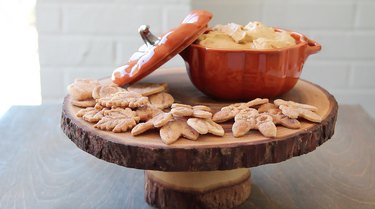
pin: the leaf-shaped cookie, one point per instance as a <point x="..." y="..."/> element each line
<point x="296" y="112"/>
<point x="198" y="111"/>
<point x="229" y="112"/>
<point x="204" y="126"/>
<point x="90" y="114"/>
<point x="278" y="117"/>
<point x="157" y="121"/>
<point x="124" y="100"/>
<point x="250" y="118"/>
<point x="175" y="129"/>
<point x="117" y="120"/>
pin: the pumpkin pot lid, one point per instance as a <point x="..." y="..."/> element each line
<point x="158" y="50"/>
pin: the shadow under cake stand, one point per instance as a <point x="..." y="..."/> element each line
<point x="211" y="172"/>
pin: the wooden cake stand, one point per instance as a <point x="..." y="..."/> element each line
<point x="211" y="172"/>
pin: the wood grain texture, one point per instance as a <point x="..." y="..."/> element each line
<point x="224" y="197"/>
<point x="41" y="168"/>
<point x="208" y="152"/>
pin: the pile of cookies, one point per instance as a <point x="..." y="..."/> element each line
<point x="139" y="108"/>
<point x="145" y="106"/>
<point x="262" y="115"/>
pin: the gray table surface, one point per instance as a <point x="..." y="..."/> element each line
<point x="41" y="168"/>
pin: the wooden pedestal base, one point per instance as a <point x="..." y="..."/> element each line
<point x="193" y="190"/>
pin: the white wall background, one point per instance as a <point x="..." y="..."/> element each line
<point x="89" y="38"/>
<point x="19" y="61"/>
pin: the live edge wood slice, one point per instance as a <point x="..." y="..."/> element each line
<point x="209" y="172"/>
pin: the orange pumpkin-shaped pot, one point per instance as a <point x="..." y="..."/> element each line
<point x="247" y="74"/>
<point x="220" y="73"/>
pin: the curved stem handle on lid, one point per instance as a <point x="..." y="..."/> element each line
<point x="149" y="38"/>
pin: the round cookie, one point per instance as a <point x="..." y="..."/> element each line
<point x="147" y="89"/>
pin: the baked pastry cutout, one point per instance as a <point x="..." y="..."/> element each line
<point x="84" y="103"/>
<point x="297" y="110"/>
<point x="81" y="92"/>
<point x="90" y="114"/>
<point x="147" y="112"/>
<point x="124" y="99"/>
<point x="81" y="89"/>
<point x="158" y="120"/>
<point x="229" y="112"/>
<point x="144" y="106"/>
<point x="198" y="111"/>
<point x="278" y="117"/>
<point x="117" y="120"/>
<point x="175" y="129"/>
<point x="250" y="118"/>
<point x="204" y="126"/>
<point x="161" y="100"/>
<point x="105" y="90"/>
<point x="147" y="89"/>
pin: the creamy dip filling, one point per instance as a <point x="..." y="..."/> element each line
<point x="254" y="35"/>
